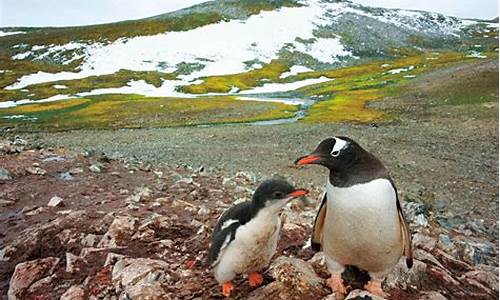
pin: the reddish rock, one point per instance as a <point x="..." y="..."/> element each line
<point x="25" y="274"/>
<point x="119" y="232"/>
<point x="291" y="272"/>
<point x="74" y="293"/>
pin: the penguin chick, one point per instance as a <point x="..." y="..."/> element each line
<point x="360" y="221"/>
<point x="246" y="235"/>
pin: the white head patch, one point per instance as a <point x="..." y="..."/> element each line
<point x="338" y="146"/>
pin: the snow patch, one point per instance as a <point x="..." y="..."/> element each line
<point x="294" y="70"/>
<point x="476" y="54"/>
<point x="397" y="71"/>
<point x="5" y="33"/>
<point x="8" y="104"/>
<point x="141" y="87"/>
<point x="284" y="87"/>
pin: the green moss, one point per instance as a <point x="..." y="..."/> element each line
<point x="134" y="111"/>
<point x="242" y="81"/>
<point x="116" y="80"/>
<point x="355" y="86"/>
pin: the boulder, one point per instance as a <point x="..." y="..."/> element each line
<point x="27" y="273"/>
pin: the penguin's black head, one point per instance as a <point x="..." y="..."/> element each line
<point x="336" y="153"/>
<point x="275" y="193"/>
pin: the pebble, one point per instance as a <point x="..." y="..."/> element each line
<point x="56" y="201"/>
<point x="36" y="171"/>
<point x="95" y="169"/>
<point x="75" y="171"/>
<point x="4" y="174"/>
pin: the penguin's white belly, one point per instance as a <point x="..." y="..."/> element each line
<point x="362" y="226"/>
<point x="252" y="248"/>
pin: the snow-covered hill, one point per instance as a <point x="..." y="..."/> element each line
<point x="306" y="35"/>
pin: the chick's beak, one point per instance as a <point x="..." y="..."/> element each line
<point x="308" y="159"/>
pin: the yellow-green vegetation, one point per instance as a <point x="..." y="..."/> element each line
<point x="353" y="87"/>
<point x="116" y="80"/>
<point x="242" y="81"/>
<point x="134" y="111"/>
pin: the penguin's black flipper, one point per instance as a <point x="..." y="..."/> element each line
<point x="225" y="230"/>
<point x="220" y="241"/>
<point x="318" y="226"/>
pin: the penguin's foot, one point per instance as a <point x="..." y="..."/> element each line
<point x="336" y="284"/>
<point x="375" y="287"/>
<point x="227" y="287"/>
<point x="255" y="279"/>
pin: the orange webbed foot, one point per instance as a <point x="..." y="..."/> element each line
<point x="337" y="284"/>
<point x="227" y="287"/>
<point x="375" y="287"/>
<point x="255" y="279"/>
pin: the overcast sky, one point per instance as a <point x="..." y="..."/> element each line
<point x="85" y="12"/>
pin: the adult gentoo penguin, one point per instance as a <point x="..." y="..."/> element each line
<point x="360" y="221"/>
<point x="246" y="235"/>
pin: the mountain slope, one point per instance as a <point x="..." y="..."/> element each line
<point x="261" y="38"/>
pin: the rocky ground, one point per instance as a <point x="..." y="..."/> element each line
<point x="86" y="226"/>
<point x="127" y="214"/>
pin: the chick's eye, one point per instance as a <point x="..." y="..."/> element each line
<point x="278" y="194"/>
<point x="335" y="153"/>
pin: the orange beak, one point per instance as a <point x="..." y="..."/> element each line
<point x="308" y="159"/>
<point x="298" y="193"/>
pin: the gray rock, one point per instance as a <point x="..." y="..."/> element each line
<point x="65" y="176"/>
<point x="75" y="171"/>
<point x="89" y="240"/>
<point x="402" y="277"/>
<point x="203" y="211"/>
<point x="416" y="214"/>
<point x="36" y="171"/>
<point x="56" y="202"/>
<point x="95" y="168"/>
<point x="476" y="253"/>
<point x="4" y="174"/>
<point x="289" y="272"/>
<point x="5" y="203"/>
<point x="27" y="273"/>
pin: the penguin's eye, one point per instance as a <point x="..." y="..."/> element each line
<point x="278" y="195"/>
<point x="335" y="153"/>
